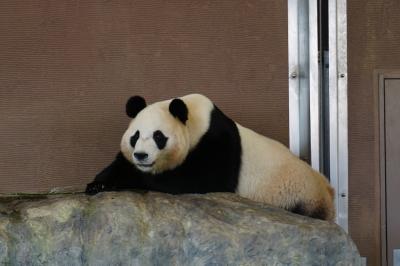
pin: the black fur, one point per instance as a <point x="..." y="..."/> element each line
<point x="178" y="109"/>
<point x="213" y="166"/>
<point x="134" y="105"/>
<point x="160" y="139"/>
<point x="135" y="138"/>
<point x="318" y="213"/>
<point x="299" y="208"/>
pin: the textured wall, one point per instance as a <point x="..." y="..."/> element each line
<point x="67" y="68"/>
<point x="373" y="43"/>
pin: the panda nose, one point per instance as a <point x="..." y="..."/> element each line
<point x="140" y="155"/>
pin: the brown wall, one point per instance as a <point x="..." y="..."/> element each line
<point x="67" y="68"/>
<point x="373" y="43"/>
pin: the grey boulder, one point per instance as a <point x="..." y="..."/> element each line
<point x="129" y="228"/>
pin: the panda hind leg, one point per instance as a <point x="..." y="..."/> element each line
<point x="319" y="212"/>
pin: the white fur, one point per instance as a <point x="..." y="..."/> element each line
<point x="271" y="173"/>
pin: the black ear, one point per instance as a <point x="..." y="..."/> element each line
<point x="134" y="105"/>
<point x="178" y="109"/>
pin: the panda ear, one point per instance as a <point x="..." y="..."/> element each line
<point x="134" y="105"/>
<point x="179" y="110"/>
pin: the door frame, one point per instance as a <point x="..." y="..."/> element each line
<point x="379" y="89"/>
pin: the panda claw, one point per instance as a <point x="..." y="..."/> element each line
<point x="94" y="188"/>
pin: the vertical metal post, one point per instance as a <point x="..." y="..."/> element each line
<point x="298" y="37"/>
<point x="294" y="85"/>
<point x="338" y="107"/>
<point x="315" y="87"/>
<point x="342" y="114"/>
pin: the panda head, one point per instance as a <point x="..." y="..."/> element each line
<point x="157" y="138"/>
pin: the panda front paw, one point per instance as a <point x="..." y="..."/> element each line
<point x="94" y="188"/>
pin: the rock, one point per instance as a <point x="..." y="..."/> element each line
<point x="128" y="228"/>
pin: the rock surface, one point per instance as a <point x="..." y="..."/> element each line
<point x="128" y="228"/>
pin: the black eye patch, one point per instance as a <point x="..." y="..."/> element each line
<point x="135" y="138"/>
<point x="160" y="139"/>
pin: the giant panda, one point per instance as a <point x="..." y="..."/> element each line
<point x="188" y="145"/>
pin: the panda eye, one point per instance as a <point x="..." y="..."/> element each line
<point x="134" y="138"/>
<point x="160" y="139"/>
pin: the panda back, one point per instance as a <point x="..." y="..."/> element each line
<point x="270" y="173"/>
